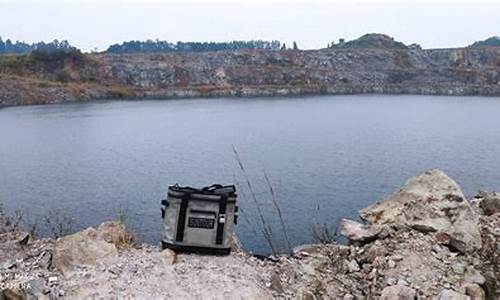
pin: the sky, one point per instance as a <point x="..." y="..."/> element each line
<point x="94" y="24"/>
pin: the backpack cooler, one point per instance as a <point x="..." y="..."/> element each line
<point x="199" y="219"/>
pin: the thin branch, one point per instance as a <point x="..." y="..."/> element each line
<point x="278" y="210"/>
<point x="266" y="230"/>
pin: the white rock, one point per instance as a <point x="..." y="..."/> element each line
<point x="168" y="256"/>
<point x="353" y="266"/>
<point x="430" y="202"/>
<point x="358" y="232"/>
<point x="397" y="292"/>
<point x="83" y="248"/>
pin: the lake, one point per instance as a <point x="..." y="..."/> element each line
<point x="326" y="156"/>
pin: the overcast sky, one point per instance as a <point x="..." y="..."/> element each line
<point x="313" y="24"/>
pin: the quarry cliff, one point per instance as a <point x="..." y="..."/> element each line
<point x="371" y="64"/>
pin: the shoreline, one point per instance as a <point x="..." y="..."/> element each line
<point x="236" y="94"/>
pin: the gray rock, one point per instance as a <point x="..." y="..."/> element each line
<point x="475" y="292"/>
<point x="474" y="276"/>
<point x="402" y="282"/>
<point x="458" y="268"/>
<point x="353" y="266"/>
<point x="23" y="238"/>
<point x="490" y="203"/>
<point x="430" y="202"/>
<point x="275" y="283"/>
<point x="8" y="265"/>
<point x="358" y="232"/>
<point x="366" y="268"/>
<point x="398" y="292"/>
<point x="452" y="295"/>
<point x="348" y="297"/>
<point x="391" y="264"/>
<point x="307" y="295"/>
<point x="36" y="288"/>
<point x="375" y="251"/>
<point x="391" y="281"/>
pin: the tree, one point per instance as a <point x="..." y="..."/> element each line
<point x="295" y="47"/>
<point x="283" y="47"/>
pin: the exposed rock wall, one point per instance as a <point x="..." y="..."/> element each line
<point x="461" y="71"/>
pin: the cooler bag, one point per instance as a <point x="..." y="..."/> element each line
<point x="199" y="219"/>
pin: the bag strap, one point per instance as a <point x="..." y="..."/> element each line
<point x="221" y="220"/>
<point x="181" y="220"/>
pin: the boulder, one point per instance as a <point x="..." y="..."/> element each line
<point x="358" y="232"/>
<point x="87" y="247"/>
<point x="398" y="292"/>
<point x="430" y="202"/>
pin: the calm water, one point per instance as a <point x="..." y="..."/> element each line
<point x="94" y="161"/>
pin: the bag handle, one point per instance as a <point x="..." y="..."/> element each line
<point x="213" y="187"/>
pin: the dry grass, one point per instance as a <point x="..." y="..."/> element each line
<point x="58" y="223"/>
<point x="266" y="229"/>
<point x="125" y="239"/>
<point x="10" y="223"/>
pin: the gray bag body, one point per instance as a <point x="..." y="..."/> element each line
<point x="199" y="219"/>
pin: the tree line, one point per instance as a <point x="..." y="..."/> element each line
<point x="17" y="47"/>
<point x="148" y="46"/>
<point x="164" y="46"/>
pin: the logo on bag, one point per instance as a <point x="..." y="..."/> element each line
<point x="201" y="223"/>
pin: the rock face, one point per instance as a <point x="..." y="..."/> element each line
<point x="430" y="202"/>
<point x="371" y="64"/>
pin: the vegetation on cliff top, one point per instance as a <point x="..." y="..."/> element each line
<point x="371" y="40"/>
<point x="58" y="65"/>
<point x="9" y="47"/>
<point x="150" y="46"/>
<point x="493" y="41"/>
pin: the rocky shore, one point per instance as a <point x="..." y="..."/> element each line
<point x="426" y="241"/>
<point x="377" y="65"/>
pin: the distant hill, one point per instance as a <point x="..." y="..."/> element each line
<point x="493" y="41"/>
<point x="371" y="40"/>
